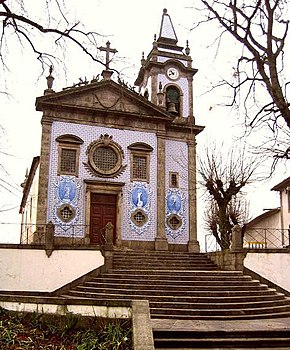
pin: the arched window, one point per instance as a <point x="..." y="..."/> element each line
<point x="173" y="100"/>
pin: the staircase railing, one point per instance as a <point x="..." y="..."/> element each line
<point x="266" y="238"/>
<point x="255" y="238"/>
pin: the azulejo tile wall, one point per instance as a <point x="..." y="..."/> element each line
<point x="139" y="199"/>
<point x="66" y="210"/>
<point x="124" y="138"/>
<point x="177" y="198"/>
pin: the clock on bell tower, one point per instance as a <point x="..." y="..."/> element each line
<point x="166" y="75"/>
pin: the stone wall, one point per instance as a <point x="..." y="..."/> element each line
<point x="228" y="260"/>
<point x="28" y="269"/>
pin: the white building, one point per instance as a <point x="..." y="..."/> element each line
<point x="271" y="229"/>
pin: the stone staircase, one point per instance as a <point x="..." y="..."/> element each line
<point x="189" y="287"/>
<point x="262" y="339"/>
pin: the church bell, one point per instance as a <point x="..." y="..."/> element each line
<point x="172" y="108"/>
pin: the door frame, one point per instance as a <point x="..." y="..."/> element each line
<point x="102" y="187"/>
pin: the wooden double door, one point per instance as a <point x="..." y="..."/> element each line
<point x="103" y="210"/>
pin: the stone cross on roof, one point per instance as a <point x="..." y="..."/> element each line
<point x="108" y="50"/>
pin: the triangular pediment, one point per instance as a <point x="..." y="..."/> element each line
<point x="106" y="96"/>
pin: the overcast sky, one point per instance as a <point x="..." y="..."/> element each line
<point x="130" y="26"/>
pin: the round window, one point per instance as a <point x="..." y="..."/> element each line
<point x="105" y="157"/>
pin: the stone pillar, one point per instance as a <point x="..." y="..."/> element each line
<point x="43" y="181"/>
<point x="237" y="239"/>
<point x="193" y="244"/>
<point x="142" y="328"/>
<point x="161" y="240"/>
<point x="49" y="238"/>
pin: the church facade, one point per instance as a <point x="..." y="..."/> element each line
<point x="111" y="154"/>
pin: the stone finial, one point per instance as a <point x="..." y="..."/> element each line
<point x="187" y="49"/>
<point x="160" y="96"/>
<point x="49" y="80"/>
<point x="155" y="46"/>
<point x="143" y="59"/>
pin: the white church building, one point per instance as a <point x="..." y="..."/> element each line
<point x="118" y="155"/>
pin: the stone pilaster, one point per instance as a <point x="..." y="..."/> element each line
<point x="161" y="242"/>
<point x="43" y="180"/>
<point x="193" y="244"/>
<point x="154" y="86"/>
<point x="190" y="97"/>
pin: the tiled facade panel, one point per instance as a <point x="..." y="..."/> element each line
<point x="124" y="138"/>
<point x="177" y="161"/>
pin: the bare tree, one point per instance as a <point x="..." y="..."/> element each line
<point x="43" y="35"/>
<point x="224" y="176"/>
<point x="236" y="214"/>
<point x="261" y="29"/>
<point x="44" y="31"/>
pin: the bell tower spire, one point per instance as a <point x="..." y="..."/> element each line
<point x="167" y="32"/>
<point x="170" y="66"/>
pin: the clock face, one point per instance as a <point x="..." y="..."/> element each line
<point x="172" y="73"/>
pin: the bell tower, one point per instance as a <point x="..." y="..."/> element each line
<point x="166" y="75"/>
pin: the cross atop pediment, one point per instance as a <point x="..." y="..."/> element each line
<point x="108" y="50"/>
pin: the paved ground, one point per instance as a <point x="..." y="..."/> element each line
<point x="240" y="325"/>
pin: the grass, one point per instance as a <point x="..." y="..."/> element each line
<point x="42" y="332"/>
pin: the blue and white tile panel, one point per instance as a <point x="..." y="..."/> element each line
<point x="177" y="161"/>
<point x="124" y="138"/>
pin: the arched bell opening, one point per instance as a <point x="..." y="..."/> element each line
<point x="173" y="100"/>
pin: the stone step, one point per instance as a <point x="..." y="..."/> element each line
<point x="162" y="265"/>
<point x="219" y="343"/>
<point x="177" y="289"/>
<point x="172" y="275"/>
<point x="216" y="305"/>
<point x="159" y="254"/>
<point x="177" y="273"/>
<point x="201" y="297"/>
<point x="221" y="340"/>
<point x="228" y="317"/>
<point x="121" y="279"/>
<point x="181" y="313"/>
<point x="162" y="291"/>
<point x="169" y="297"/>
<point x="164" y="259"/>
<point x="182" y="309"/>
<point x="171" y="284"/>
<point x="189" y="314"/>
<point x="177" y="267"/>
<point x="190" y="299"/>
